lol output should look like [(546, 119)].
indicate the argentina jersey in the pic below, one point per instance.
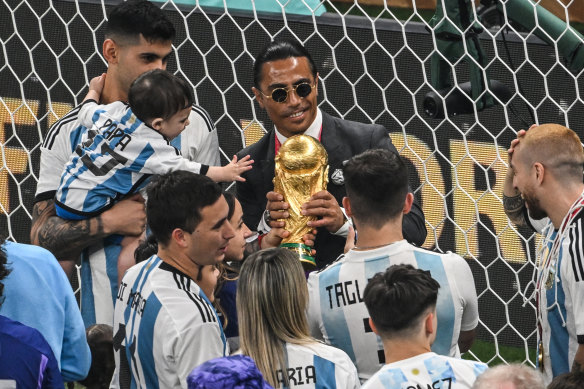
[(316, 365), (338, 315), (561, 305), (427, 370), (164, 326)]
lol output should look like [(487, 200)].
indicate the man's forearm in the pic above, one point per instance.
[(64, 238)]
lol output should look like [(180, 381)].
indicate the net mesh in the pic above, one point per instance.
[(375, 67)]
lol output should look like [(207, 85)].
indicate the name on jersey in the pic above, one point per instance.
[(135, 299), (344, 293), (444, 383), (110, 130), (301, 375)]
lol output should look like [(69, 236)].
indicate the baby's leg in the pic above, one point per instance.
[(126, 258)]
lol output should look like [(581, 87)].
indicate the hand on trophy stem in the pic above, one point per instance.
[(274, 238), (325, 207), (277, 207)]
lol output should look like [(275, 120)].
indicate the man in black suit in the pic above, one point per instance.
[(286, 86)]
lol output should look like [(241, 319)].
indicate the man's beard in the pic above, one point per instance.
[(535, 210)]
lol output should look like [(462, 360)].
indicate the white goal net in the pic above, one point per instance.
[(377, 65)]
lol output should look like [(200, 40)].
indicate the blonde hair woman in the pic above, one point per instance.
[(271, 307)]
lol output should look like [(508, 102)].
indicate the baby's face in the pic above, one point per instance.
[(172, 127)]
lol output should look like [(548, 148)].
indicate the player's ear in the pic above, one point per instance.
[(430, 322), (178, 236), (110, 51), (539, 172), (258, 95), (316, 84), (347, 205), (408, 202), (373, 328), (157, 124)]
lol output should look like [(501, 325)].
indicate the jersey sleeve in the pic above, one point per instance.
[(199, 140), (314, 307), (75, 353), (467, 290), (86, 113), (164, 158)]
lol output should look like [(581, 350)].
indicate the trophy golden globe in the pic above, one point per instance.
[(301, 171)]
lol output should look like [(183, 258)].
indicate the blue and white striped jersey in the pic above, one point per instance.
[(427, 370), (99, 274), (115, 158), (561, 301), (338, 315), (317, 365), (164, 326)]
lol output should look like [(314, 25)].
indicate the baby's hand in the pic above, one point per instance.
[(95, 88), (234, 170), (230, 172)]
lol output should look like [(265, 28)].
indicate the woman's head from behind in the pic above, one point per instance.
[(271, 307)]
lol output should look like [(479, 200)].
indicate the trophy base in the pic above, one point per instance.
[(303, 251)]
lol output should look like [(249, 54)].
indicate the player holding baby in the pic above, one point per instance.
[(125, 145)]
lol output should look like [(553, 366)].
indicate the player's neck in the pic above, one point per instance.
[(179, 262), (112, 91), (399, 349), (374, 237), (561, 203)]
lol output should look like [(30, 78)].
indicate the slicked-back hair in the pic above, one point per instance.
[(377, 184), (129, 19), (175, 200), (159, 94), (398, 298), (277, 50)]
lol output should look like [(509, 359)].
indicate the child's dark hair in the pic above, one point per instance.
[(159, 94), (100, 340)]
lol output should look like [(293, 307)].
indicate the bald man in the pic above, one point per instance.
[(544, 190)]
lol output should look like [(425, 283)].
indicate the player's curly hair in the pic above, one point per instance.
[(4, 270)]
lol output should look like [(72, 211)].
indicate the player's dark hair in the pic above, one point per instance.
[(397, 298), (230, 198), (129, 19), (4, 270), (377, 184), (159, 94), (175, 200), (572, 380), (100, 341), (280, 49), (146, 249)]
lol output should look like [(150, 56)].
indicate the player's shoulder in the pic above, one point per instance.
[(200, 119), (62, 127)]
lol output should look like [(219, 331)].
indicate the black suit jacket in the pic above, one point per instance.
[(342, 139)]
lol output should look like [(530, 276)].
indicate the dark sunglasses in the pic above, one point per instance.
[(280, 95)]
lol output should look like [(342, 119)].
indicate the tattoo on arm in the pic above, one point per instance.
[(64, 238), (514, 207)]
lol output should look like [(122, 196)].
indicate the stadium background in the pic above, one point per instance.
[(372, 69)]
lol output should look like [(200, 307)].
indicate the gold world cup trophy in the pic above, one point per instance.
[(301, 171)]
